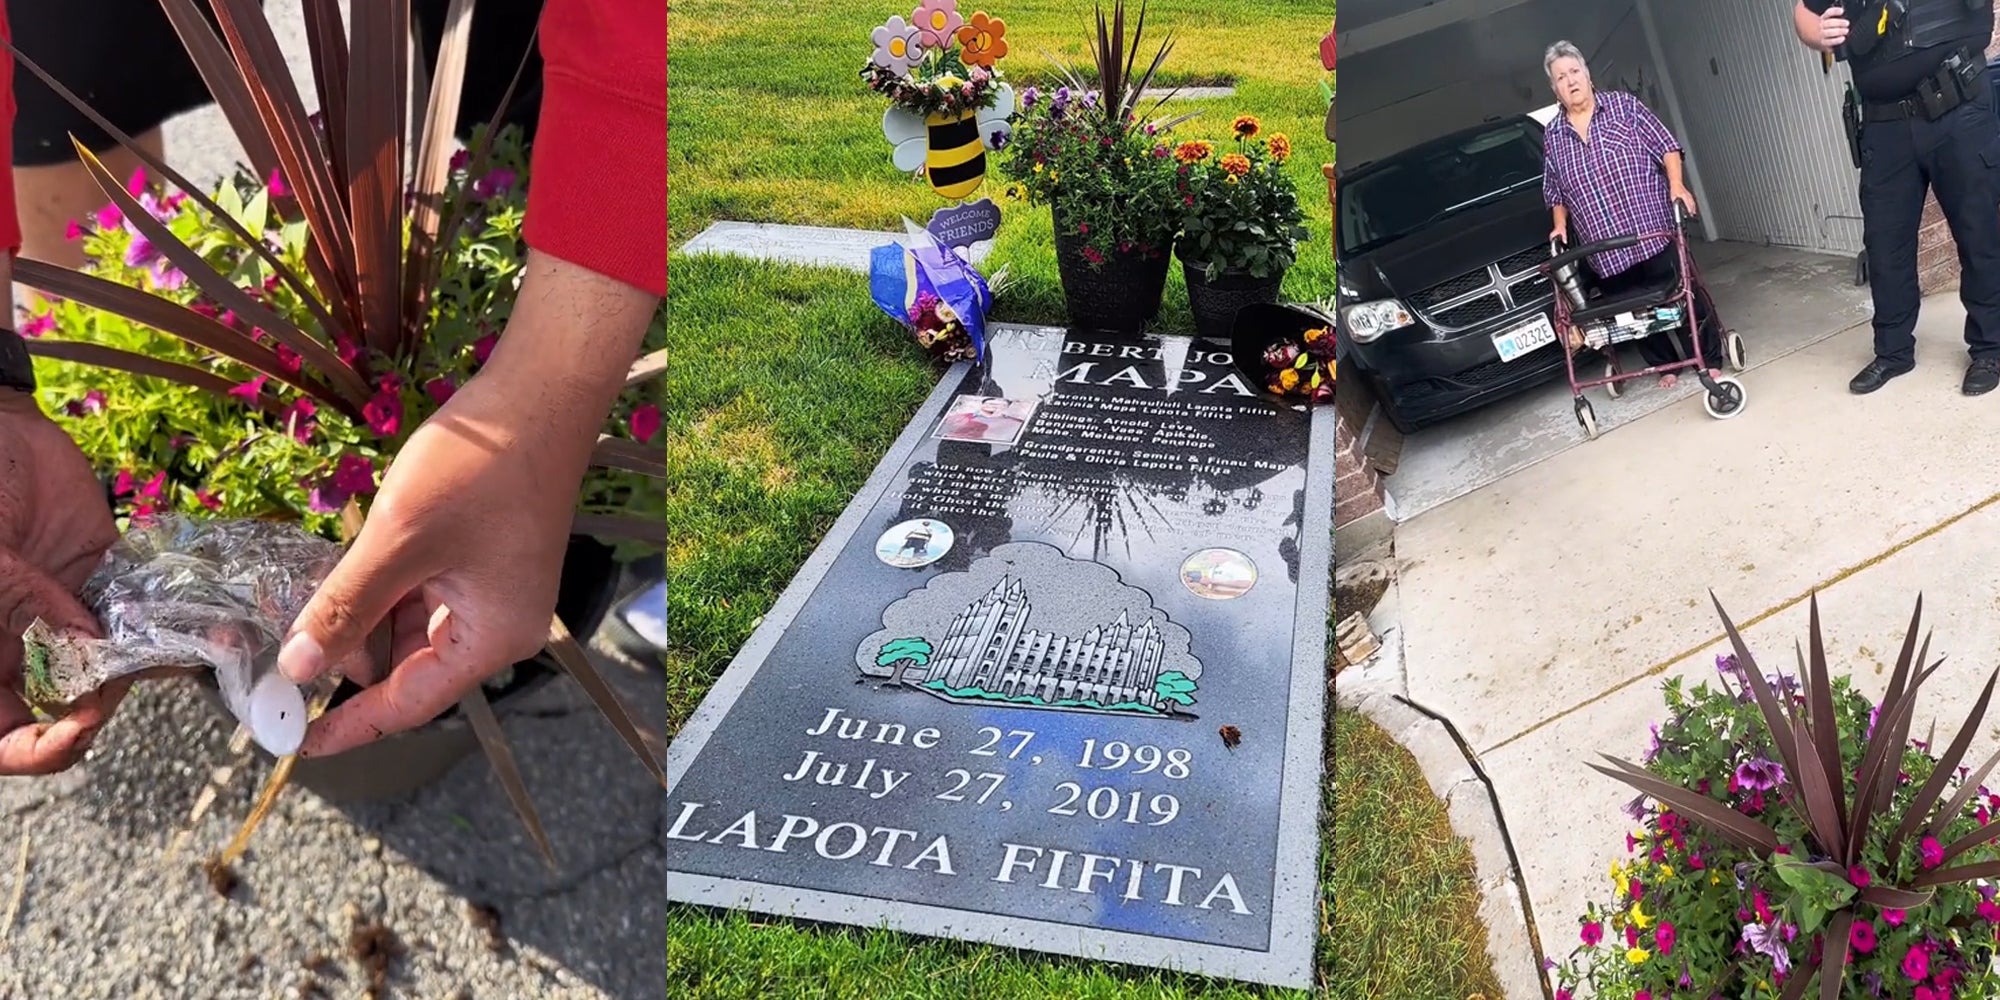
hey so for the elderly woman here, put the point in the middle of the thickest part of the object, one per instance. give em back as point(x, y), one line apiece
point(1610, 168)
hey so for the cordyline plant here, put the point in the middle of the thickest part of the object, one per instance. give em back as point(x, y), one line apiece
point(1845, 833)
point(372, 235)
point(1082, 149)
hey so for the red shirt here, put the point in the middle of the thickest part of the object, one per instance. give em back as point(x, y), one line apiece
point(598, 194)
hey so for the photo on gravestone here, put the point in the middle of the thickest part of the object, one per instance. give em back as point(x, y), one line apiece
point(1054, 681)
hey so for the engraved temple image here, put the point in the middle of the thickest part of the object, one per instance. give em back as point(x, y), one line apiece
point(990, 648)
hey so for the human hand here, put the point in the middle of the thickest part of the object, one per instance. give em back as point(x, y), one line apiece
point(54, 527)
point(1685, 199)
point(460, 556)
point(1558, 233)
point(1833, 28)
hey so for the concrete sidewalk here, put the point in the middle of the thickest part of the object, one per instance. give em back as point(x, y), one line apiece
point(1541, 613)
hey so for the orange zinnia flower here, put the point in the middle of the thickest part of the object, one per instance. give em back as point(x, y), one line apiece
point(1246, 126)
point(1281, 147)
point(1236, 163)
point(1193, 152)
point(984, 40)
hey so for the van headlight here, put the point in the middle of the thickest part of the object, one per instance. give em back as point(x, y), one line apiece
point(1368, 321)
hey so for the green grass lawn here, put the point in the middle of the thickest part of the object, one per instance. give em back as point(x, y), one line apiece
point(786, 385)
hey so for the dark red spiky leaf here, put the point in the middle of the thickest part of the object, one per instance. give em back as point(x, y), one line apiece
point(326, 36)
point(1933, 788)
point(576, 662)
point(1890, 897)
point(428, 264)
point(375, 99)
point(1877, 747)
point(1776, 719)
point(307, 171)
point(1960, 873)
point(225, 82)
point(1825, 723)
point(1833, 954)
point(631, 456)
point(101, 356)
point(1724, 821)
point(347, 385)
point(492, 739)
point(1817, 790)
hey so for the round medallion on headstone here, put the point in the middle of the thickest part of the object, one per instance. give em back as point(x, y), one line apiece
point(914, 543)
point(1218, 574)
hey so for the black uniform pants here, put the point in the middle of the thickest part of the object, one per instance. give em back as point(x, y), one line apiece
point(1958, 158)
point(124, 58)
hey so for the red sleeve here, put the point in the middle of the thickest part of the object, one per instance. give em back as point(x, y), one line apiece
point(597, 193)
point(10, 218)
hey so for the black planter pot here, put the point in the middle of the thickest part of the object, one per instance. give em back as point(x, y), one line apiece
point(1120, 296)
point(401, 763)
point(1216, 298)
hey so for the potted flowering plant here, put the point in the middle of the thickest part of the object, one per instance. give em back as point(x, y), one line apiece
point(1241, 223)
point(1107, 178)
point(1797, 835)
point(287, 332)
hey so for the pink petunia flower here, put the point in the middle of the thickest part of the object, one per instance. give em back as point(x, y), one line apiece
point(1663, 935)
point(497, 181)
point(109, 217)
point(92, 403)
point(440, 389)
point(384, 413)
point(73, 231)
point(154, 487)
point(1858, 875)
point(1989, 911)
point(124, 483)
point(645, 423)
point(1893, 918)
point(277, 184)
point(140, 252)
point(209, 500)
point(1862, 936)
point(348, 350)
point(1917, 963)
point(249, 391)
point(289, 361)
point(301, 418)
point(39, 324)
point(482, 349)
point(1593, 932)
point(460, 159)
point(136, 185)
point(167, 277)
point(1932, 852)
point(355, 474)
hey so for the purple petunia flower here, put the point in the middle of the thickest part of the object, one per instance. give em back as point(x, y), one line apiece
point(1760, 774)
point(1636, 809)
point(1764, 940)
point(1030, 96)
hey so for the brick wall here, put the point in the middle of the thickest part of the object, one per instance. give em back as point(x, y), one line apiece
point(1357, 490)
point(1937, 255)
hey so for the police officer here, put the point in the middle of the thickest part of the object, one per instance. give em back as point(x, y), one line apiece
point(1927, 121)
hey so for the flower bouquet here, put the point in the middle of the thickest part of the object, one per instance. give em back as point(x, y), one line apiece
point(1107, 178)
point(935, 293)
point(1288, 350)
point(1797, 833)
point(1241, 223)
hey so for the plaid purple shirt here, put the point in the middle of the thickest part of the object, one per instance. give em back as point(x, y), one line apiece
point(1612, 185)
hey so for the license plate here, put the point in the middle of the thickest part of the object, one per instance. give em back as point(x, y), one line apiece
point(1538, 332)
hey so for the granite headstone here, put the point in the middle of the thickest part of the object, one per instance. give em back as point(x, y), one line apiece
point(1055, 679)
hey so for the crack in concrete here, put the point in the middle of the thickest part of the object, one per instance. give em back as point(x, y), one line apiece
point(1744, 626)
point(656, 838)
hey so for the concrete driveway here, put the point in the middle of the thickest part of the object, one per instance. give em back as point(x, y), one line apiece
point(1540, 612)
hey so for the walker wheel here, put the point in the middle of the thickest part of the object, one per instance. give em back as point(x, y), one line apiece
point(1613, 389)
point(1587, 417)
point(1732, 346)
point(1726, 400)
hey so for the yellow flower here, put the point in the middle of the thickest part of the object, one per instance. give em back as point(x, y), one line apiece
point(1246, 126)
point(1714, 879)
point(1639, 916)
point(1038, 168)
point(1281, 147)
point(1289, 378)
point(1233, 179)
point(1637, 956)
point(950, 82)
point(1666, 872)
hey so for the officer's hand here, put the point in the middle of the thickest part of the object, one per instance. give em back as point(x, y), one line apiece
point(1832, 28)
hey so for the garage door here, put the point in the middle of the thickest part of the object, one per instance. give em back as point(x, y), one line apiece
point(1762, 124)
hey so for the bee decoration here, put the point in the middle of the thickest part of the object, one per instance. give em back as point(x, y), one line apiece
point(1232, 737)
point(950, 148)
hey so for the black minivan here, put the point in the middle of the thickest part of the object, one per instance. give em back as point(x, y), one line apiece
point(1442, 309)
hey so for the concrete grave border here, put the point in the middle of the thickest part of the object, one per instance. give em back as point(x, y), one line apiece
point(1377, 692)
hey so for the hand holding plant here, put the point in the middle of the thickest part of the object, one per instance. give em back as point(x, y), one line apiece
point(54, 525)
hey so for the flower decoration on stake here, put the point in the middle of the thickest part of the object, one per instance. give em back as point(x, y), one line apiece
point(1802, 837)
point(948, 103)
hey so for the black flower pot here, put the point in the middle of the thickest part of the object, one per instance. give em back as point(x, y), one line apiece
point(401, 763)
point(1216, 298)
point(1118, 296)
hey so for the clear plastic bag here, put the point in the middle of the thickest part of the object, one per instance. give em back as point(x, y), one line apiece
point(177, 592)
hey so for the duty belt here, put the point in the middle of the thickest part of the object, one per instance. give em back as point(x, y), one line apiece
point(1944, 78)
